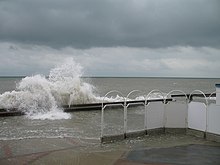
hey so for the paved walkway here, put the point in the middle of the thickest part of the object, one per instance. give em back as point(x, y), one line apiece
point(160, 149)
point(179, 155)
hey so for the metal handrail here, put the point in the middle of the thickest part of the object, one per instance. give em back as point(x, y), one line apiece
point(209, 98)
point(154, 91)
point(179, 91)
point(198, 91)
point(103, 107)
point(125, 104)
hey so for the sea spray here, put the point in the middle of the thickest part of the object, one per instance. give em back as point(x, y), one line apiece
point(67, 82)
point(41, 98)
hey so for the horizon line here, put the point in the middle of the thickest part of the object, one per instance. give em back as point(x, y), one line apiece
point(163, 77)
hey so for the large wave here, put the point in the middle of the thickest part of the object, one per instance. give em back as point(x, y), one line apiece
point(41, 97)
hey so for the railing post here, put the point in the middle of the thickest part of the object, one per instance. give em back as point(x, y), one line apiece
point(102, 122)
point(126, 109)
point(145, 115)
point(125, 119)
point(103, 107)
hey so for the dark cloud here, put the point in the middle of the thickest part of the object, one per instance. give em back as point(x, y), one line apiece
point(109, 23)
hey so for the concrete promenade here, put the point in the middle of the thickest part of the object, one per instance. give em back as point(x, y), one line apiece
point(154, 149)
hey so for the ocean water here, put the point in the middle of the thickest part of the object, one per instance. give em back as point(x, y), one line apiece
point(87, 124)
point(41, 97)
point(126, 84)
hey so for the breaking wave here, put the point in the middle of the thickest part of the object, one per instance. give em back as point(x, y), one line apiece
point(41, 97)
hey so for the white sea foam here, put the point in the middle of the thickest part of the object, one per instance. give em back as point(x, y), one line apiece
point(40, 97)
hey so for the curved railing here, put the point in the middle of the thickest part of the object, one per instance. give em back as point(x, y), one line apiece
point(154, 91)
point(126, 102)
point(127, 105)
point(104, 106)
point(209, 98)
point(185, 95)
point(179, 91)
point(196, 92)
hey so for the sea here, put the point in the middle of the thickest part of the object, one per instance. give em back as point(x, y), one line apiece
point(41, 97)
point(126, 84)
point(87, 124)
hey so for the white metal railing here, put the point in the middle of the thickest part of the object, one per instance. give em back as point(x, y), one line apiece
point(209, 98)
point(106, 105)
point(147, 98)
point(127, 105)
point(206, 104)
point(146, 103)
point(178, 91)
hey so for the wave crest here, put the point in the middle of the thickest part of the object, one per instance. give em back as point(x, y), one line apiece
point(41, 98)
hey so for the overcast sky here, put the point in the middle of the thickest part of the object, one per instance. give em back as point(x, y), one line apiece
point(177, 38)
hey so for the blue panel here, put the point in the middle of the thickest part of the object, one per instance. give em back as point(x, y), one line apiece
point(217, 85)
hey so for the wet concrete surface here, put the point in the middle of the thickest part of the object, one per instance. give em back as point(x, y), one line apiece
point(179, 155)
point(158, 149)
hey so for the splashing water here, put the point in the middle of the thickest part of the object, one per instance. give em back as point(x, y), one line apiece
point(40, 97)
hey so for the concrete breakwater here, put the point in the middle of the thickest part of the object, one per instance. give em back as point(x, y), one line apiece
point(98, 106)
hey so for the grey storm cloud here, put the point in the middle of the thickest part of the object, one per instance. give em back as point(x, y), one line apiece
point(110, 23)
